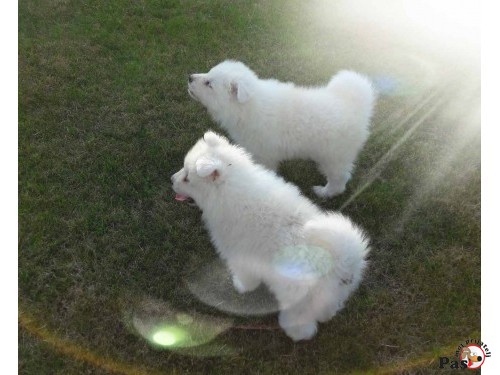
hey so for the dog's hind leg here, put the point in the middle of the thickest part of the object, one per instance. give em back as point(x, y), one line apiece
point(296, 318)
point(327, 299)
point(337, 177)
point(297, 322)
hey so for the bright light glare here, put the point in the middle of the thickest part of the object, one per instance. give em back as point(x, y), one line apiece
point(166, 337)
point(435, 24)
point(166, 328)
point(446, 17)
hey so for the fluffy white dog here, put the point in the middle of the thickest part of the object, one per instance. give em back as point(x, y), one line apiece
point(267, 232)
point(278, 121)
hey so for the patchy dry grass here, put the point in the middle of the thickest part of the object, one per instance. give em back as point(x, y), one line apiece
point(105, 119)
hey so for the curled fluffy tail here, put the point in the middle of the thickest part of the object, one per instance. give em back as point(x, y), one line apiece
point(355, 88)
point(345, 241)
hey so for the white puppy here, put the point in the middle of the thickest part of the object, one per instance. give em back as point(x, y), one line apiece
point(278, 121)
point(268, 232)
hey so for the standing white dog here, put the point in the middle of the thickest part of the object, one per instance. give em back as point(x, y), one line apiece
point(278, 121)
point(268, 232)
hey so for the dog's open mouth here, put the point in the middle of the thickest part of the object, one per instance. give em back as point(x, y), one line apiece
point(185, 198)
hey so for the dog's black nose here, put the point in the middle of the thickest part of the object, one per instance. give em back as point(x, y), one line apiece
point(479, 358)
point(190, 78)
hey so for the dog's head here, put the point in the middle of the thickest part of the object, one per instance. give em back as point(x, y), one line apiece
point(207, 167)
point(227, 85)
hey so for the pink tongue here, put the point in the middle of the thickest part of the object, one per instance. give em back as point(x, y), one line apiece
point(180, 197)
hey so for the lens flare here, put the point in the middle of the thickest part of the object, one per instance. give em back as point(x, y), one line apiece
point(184, 319)
point(212, 285)
point(167, 328)
point(386, 85)
point(165, 337)
point(303, 262)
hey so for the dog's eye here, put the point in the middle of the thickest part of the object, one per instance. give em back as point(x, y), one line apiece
point(185, 179)
point(208, 83)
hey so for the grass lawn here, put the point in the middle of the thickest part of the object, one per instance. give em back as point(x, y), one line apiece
point(105, 119)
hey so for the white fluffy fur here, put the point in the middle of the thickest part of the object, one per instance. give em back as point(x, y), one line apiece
point(252, 214)
point(278, 121)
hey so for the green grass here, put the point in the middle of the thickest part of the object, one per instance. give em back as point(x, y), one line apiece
point(105, 119)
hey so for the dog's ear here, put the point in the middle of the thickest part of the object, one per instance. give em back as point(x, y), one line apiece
point(213, 139)
point(241, 90)
point(208, 167)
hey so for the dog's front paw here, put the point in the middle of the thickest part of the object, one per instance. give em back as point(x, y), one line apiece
point(320, 191)
point(238, 285)
point(243, 287)
point(327, 191)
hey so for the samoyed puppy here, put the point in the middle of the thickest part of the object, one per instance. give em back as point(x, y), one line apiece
point(278, 121)
point(267, 232)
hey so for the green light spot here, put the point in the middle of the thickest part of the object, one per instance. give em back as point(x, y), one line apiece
point(164, 338)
